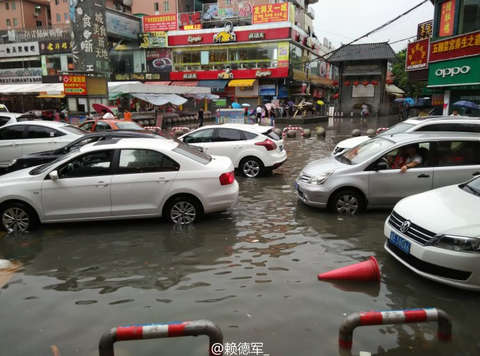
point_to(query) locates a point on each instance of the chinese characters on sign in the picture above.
(90, 50)
(459, 46)
(167, 22)
(19, 49)
(190, 21)
(56, 46)
(425, 30)
(447, 18)
(417, 55)
(270, 13)
(75, 85)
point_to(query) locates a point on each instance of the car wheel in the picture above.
(347, 202)
(17, 217)
(183, 210)
(251, 167)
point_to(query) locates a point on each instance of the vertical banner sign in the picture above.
(447, 18)
(89, 45)
(270, 13)
(425, 30)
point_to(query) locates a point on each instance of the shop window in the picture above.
(469, 16)
(39, 23)
(7, 5)
(9, 23)
(166, 5)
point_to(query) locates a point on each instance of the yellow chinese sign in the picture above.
(270, 13)
(425, 30)
(447, 18)
(55, 46)
(283, 51)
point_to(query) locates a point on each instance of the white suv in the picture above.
(253, 149)
(430, 124)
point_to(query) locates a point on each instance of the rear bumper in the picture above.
(276, 165)
(275, 160)
(222, 200)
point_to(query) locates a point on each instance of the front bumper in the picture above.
(312, 195)
(457, 269)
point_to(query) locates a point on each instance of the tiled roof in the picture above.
(363, 52)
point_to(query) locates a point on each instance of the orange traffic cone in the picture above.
(362, 271)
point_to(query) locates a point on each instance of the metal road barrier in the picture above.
(294, 128)
(155, 331)
(345, 336)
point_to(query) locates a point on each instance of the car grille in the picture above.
(415, 232)
(429, 267)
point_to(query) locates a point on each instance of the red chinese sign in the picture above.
(417, 55)
(234, 74)
(447, 19)
(190, 21)
(270, 13)
(158, 23)
(425, 30)
(75, 85)
(459, 46)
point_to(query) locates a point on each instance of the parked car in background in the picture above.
(26, 137)
(37, 158)
(423, 124)
(367, 175)
(253, 149)
(437, 234)
(105, 124)
(117, 179)
(8, 118)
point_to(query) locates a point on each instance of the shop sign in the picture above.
(417, 55)
(153, 40)
(465, 71)
(23, 49)
(75, 85)
(194, 39)
(20, 75)
(167, 22)
(188, 76)
(55, 47)
(270, 13)
(140, 76)
(267, 90)
(227, 74)
(39, 34)
(227, 35)
(263, 73)
(425, 30)
(122, 26)
(447, 18)
(190, 20)
(280, 72)
(159, 60)
(255, 36)
(458, 46)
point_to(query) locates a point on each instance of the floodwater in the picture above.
(252, 271)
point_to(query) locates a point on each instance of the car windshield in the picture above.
(396, 129)
(472, 187)
(128, 125)
(192, 153)
(364, 151)
(45, 167)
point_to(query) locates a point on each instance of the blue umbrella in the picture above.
(409, 101)
(236, 106)
(466, 104)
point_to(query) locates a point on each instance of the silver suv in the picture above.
(370, 175)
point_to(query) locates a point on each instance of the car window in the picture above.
(419, 152)
(145, 161)
(73, 130)
(271, 134)
(4, 120)
(34, 131)
(90, 164)
(102, 126)
(83, 142)
(87, 126)
(398, 128)
(205, 135)
(192, 153)
(128, 125)
(462, 127)
(12, 132)
(251, 135)
(457, 153)
(226, 135)
(364, 151)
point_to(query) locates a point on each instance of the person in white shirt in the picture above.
(413, 159)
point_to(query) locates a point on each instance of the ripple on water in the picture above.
(215, 300)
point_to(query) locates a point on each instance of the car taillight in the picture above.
(227, 178)
(268, 144)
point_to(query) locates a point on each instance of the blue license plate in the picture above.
(400, 242)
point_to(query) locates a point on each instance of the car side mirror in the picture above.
(53, 175)
(379, 166)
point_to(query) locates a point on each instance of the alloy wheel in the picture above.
(16, 219)
(251, 168)
(347, 204)
(183, 213)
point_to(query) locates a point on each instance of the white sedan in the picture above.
(253, 149)
(118, 179)
(436, 234)
(20, 138)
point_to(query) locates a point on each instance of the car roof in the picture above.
(133, 143)
(424, 135)
(255, 128)
(123, 133)
(52, 124)
(421, 120)
(11, 115)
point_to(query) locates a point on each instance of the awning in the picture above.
(50, 96)
(34, 88)
(185, 84)
(166, 82)
(116, 88)
(393, 89)
(214, 84)
(241, 83)
(161, 99)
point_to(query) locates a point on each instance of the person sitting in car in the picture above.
(413, 158)
(397, 161)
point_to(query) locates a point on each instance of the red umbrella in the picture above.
(101, 109)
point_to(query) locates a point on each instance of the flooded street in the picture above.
(252, 271)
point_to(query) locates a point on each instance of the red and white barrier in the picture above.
(295, 128)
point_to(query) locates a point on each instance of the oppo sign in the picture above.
(451, 72)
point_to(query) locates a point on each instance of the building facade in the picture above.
(19, 14)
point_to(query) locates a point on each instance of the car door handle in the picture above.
(102, 184)
(424, 176)
(476, 174)
(162, 180)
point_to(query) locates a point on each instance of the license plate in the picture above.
(281, 148)
(400, 242)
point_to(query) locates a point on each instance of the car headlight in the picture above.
(12, 162)
(320, 179)
(457, 243)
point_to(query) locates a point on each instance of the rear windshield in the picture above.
(396, 129)
(193, 153)
(270, 133)
(128, 125)
(73, 130)
(365, 150)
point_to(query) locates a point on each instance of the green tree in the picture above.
(412, 89)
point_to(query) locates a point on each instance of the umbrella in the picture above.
(246, 105)
(399, 100)
(320, 102)
(409, 101)
(291, 103)
(466, 104)
(236, 106)
(99, 108)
